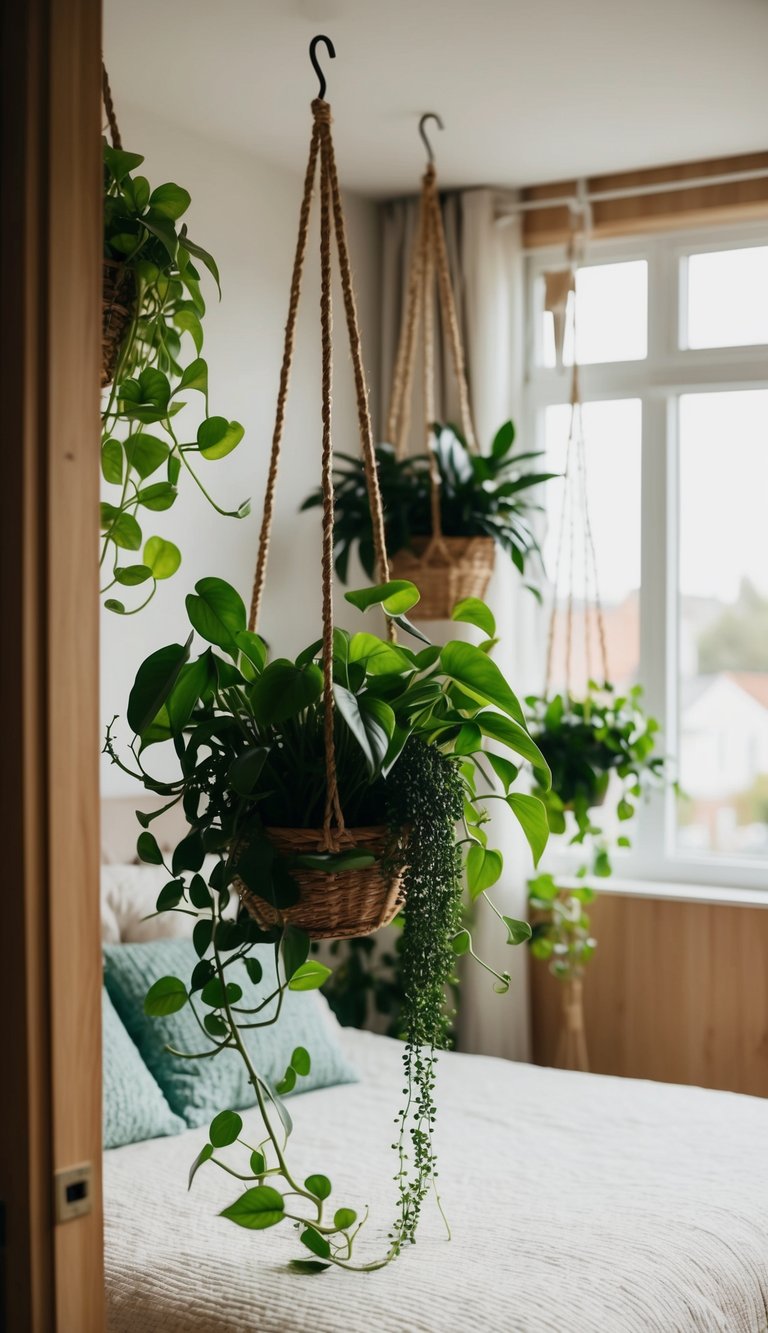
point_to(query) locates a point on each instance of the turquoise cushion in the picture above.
(199, 1089)
(134, 1108)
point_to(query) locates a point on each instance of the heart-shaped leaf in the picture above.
(217, 437)
(256, 1209)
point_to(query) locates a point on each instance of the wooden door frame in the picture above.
(49, 754)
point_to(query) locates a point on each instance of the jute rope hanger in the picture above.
(331, 224)
(575, 500)
(429, 260)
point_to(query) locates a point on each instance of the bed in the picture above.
(578, 1204)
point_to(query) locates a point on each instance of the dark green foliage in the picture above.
(159, 359)
(481, 495)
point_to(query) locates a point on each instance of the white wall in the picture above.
(245, 212)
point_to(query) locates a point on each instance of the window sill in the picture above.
(712, 895)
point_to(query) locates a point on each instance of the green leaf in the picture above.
(395, 597)
(517, 931)
(216, 995)
(112, 604)
(187, 321)
(157, 497)
(287, 1082)
(202, 935)
(201, 254)
(162, 227)
(318, 1185)
(244, 771)
(472, 611)
(310, 976)
(170, 895)
(258, 1164)
(162, 557)
(204, 1155)
(503, 440)
(145, 453)
(122, 529)
(531, 815)
(189, 853)
(516, 738)
(225, 1128)
(295, 950)
(258, 1208)
(118, 162)
(484, 868)
(379, 657)
(112, 462)
(253, 647)
(199, 893)
(170, 200)
(315, 1242)
(166, 996)
(131, 575)
(371, 722)
(193, 680)
(154, 681)
(254, 969)
(344, 1218)
(461, 943)
(283, 690)
(217, 437)
(148, 850)
(474, 671)
(217, 613)
(307, 1266)
(195, 376)
(301, 1062)
(504, 769)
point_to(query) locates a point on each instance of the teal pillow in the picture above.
(133, 1107)
(199, 1089)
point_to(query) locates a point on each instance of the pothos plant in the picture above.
(411, 730)
(481, 495)
(599, 748)
(159, 362)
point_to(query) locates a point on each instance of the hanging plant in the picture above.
(482, 496)
(409, 730)
(153, 312)
(447, 508)
(601, 745)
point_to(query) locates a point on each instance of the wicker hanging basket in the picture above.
(118, 299)
(340, 905)
(446, 571)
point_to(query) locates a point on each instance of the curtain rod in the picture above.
(582, 201)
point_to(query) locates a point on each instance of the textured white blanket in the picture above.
(578, 1204)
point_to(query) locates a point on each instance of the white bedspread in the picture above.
(579, 1204)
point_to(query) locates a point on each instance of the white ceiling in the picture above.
(530, 91)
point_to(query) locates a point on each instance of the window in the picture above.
(673, 337)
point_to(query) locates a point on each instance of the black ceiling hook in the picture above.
(429, 115)
(332, 53)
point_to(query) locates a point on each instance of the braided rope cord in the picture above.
(109, 107)
(331, 223)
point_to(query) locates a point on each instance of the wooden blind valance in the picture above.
(639, 214)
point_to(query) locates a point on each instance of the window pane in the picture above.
(728, 298)
(723, 594)
(612, 325)
(612, 434)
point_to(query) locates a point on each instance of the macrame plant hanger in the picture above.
(363, 900)
(446, 568)
(572, 1042)
(118, 290)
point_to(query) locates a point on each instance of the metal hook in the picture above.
(429, 115)
(332, 53)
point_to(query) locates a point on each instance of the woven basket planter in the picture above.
(459, 567)
(339, 905)
(118, 294)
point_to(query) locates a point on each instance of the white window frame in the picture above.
(658, 380)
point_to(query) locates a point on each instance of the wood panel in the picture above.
(708, 205)
(51, 247)
(676, 991)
